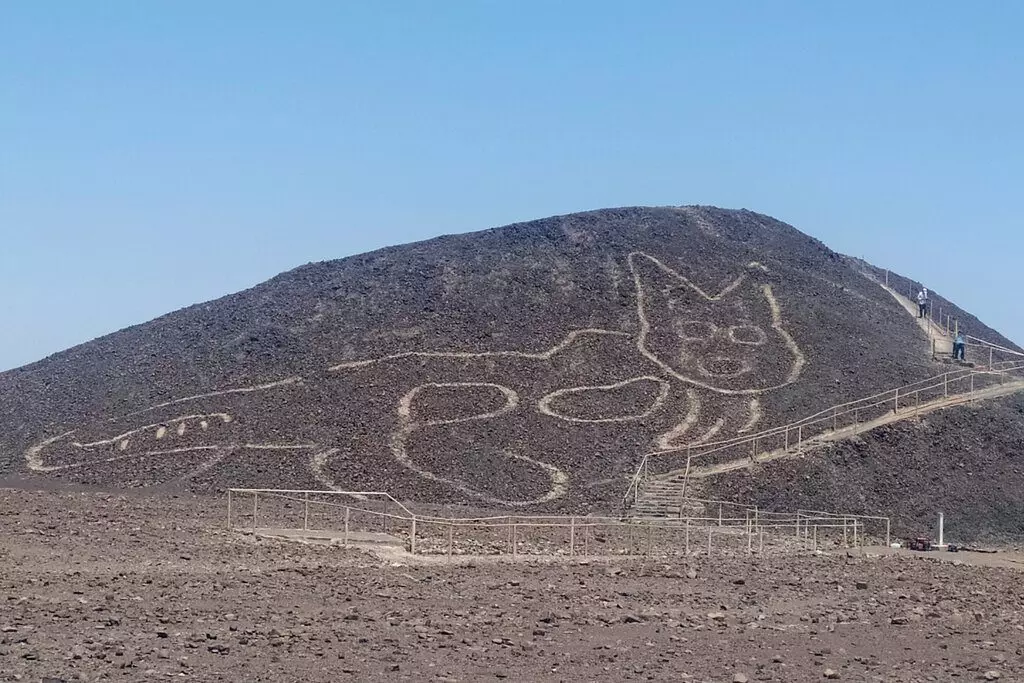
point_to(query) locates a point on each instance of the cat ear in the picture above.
(651, 275)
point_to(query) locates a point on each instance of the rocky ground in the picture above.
(128, 587)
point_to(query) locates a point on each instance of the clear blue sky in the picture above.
(157, 154)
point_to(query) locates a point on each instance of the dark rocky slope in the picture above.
(531, 364)
(966, 461)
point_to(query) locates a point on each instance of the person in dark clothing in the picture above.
(958, 347)
(922, 303)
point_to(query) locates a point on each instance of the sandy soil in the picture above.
(110, 587)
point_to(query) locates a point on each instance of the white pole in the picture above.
(941, 525)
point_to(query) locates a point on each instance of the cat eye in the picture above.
(751, 335)
(694, 330)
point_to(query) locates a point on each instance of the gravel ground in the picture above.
(129, 587)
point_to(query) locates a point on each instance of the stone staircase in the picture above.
(663, 498)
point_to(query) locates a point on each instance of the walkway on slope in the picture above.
(938, 339)
(654, 491)
(853, 430)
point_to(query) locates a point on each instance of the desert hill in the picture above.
(527, 366)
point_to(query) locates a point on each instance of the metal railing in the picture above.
(845, 419)
(277, 512)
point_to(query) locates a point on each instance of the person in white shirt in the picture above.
(922, 303)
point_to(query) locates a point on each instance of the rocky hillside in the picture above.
(529, 366)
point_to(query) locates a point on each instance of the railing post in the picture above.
(229, 508)
(750, 532)
(451, 534)
(896, 403)
(709, 540)
(515, 529)
(945, 385)
(412, 537)
(835, 419)
(305, 513)
(888, 541)
(255, 508)
(972, 387)
(989, 358)
(799, 438)
(786, 448)
(348, 511)
(719, 514)
(572, 536)
(687, 535)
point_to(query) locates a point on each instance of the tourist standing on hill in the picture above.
(922, 303)
(958, 347)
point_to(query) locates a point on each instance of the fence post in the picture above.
(972, 387)
(687, 535)
(888, 541)
(786, 448)
(255, 508)
(412, 537)
(572, 536)
(709, 540)
(515, 529)
(799, 438)
(945, 385)
(896, 403)
(750, 532)
(305, 512)
(835, 419)
(846, 538)
(385, 517)
(815, 536)
(990, 358)
(348, 511)
(229, 508)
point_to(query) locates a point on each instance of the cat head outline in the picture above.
(731, 341)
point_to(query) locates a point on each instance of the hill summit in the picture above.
(528, 366)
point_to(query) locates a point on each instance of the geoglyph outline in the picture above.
(396, 441)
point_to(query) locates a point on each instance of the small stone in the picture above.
(993, 675)
(632, 619)
(717, 616)
(861, 585)
(691, 574)
(739, 678)
(900, 619)
(777, 659)
(831, 674)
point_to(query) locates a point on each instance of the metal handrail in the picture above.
(829, 414)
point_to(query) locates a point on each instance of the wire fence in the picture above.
(360, 518)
